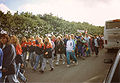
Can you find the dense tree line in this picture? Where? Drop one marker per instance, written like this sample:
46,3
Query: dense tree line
27,24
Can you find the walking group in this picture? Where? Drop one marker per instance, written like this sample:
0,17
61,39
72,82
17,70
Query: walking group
17,54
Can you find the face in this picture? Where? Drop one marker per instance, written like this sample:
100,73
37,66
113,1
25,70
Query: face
81,38
24,39
3,40
37,37
66,36
86,35
32,38
69,37
39,40
72,36
12,40
46,40
80,34
53,37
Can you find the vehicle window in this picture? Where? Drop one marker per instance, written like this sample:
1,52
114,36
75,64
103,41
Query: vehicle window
111,25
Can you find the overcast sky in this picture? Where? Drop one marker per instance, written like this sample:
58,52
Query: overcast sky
95,12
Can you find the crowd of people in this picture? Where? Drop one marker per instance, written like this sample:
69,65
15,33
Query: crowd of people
16,54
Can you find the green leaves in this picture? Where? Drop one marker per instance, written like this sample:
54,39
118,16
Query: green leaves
27,24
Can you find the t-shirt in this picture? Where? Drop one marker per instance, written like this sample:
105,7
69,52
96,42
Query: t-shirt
70,45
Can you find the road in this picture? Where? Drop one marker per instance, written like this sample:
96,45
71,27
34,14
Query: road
92,69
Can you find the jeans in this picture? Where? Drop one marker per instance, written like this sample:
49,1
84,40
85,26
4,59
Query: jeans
96,50
24,58
44,63
38,58
11,79
32,58
53,55
72,54
58,57
19,74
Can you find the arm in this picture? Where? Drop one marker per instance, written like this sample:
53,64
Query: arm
1,58
73,45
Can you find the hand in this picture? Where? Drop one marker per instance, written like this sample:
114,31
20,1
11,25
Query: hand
22,65
46,53
59,49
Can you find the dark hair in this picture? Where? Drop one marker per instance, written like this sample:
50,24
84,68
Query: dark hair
6,36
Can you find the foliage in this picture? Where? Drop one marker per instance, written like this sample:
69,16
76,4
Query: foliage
27,24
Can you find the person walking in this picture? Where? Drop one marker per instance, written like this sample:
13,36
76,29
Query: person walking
96,45
24,49
9,65
32,44
18,58
47,55
60,50
70,46
39,52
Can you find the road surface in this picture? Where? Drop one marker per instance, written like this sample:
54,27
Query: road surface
92,69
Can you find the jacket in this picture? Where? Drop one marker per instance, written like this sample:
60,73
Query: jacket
18,58
60,47
9,59
32,46
39,49
24,46
47,48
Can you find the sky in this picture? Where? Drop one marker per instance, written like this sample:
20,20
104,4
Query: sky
95,12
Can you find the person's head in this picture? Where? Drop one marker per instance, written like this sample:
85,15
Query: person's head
95,36
69,37
82,38
37,37
53,37
40,40
32,38
24,39
14,40
29,39
66,36
58,38
72,36
47,40
5,39
80,34
87,35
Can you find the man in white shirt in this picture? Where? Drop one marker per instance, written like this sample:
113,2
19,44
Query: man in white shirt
70,51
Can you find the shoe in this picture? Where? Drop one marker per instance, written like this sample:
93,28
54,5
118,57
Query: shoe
52,69
41,71
25,81
63,63
73,62
56,63
68,66
76,63
34,69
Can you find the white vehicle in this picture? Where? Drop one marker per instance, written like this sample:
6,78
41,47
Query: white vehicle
112,34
